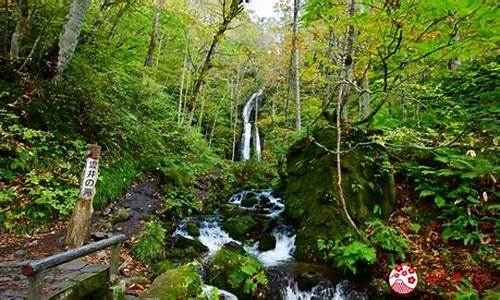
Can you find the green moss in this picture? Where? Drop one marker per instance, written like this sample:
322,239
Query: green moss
237,272
181,283
192,229
239,227
312,194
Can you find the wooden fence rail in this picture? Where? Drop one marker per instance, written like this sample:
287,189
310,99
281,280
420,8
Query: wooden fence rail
34,269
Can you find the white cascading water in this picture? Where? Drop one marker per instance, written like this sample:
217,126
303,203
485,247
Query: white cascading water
322,291
282,252
246,137
211,234
269,206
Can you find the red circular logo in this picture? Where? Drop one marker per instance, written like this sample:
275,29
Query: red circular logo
403,279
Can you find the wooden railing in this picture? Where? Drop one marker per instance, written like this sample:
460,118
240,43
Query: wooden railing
34,269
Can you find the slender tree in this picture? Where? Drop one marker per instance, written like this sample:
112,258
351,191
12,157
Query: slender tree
295,54
154,35
229,12
17,36
68,39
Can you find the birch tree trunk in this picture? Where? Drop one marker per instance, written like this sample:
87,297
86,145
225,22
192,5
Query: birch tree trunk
17,36
181,94
295,51
68,39
154,35
347,61
331,60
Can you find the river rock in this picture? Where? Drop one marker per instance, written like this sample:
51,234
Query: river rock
311,192
121,215
267,242
307,281
185,243
235,247
231,270
181,283
192,229
250,200
239,227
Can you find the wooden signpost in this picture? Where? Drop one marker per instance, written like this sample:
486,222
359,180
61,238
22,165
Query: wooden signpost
79,225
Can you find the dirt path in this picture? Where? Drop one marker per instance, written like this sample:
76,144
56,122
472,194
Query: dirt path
140,201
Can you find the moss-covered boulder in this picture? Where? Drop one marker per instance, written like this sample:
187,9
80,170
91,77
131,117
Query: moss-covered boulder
267,242
192,229
240,227
239,273
311,191
181,283
249,200
185,243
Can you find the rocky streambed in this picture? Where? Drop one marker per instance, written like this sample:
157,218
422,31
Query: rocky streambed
246,251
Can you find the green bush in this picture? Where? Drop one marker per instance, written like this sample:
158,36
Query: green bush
150,246
348,255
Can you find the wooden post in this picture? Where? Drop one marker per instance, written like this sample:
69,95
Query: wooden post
79,225
35,286
114,261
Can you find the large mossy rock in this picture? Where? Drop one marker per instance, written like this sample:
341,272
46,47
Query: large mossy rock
311,191
181,283
235,270
240,227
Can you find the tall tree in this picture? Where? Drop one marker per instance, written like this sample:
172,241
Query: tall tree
68,39
229,12
154,35
295,54
17,36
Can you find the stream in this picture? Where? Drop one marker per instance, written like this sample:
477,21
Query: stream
282,270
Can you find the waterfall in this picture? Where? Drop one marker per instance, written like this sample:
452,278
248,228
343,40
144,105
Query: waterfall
249,129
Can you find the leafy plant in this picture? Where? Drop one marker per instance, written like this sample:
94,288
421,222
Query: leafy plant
349,254
387,238
150,246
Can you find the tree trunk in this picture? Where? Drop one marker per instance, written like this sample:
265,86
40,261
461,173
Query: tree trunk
200,80
455,63
347,60
295,51
329,69
154,35
70,33
17,36
181,94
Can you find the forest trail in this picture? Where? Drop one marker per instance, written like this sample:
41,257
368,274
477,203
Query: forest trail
139,202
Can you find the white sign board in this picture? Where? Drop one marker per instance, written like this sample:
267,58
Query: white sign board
89,178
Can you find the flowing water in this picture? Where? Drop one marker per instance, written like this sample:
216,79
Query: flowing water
250,132
282,271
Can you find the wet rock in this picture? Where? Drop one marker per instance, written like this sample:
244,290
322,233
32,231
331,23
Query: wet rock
264,200
99,235
225,272
250,200
121,215
192,229
186,243
239,227
235,247
308,280
267,242
180,283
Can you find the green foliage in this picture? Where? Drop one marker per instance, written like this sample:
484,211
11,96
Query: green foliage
387,238
349,254
150,246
